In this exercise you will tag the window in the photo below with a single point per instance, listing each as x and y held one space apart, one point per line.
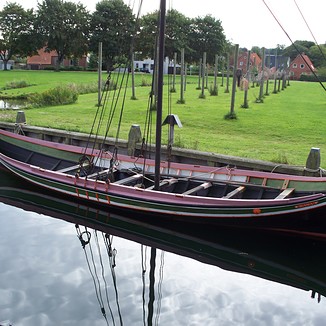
241 63
302 66
295 65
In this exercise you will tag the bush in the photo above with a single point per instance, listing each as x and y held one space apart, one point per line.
16 84
312 78
85 88
145 82
57 96
62 68
49 68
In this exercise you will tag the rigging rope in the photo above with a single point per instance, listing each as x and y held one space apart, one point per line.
151 107
303 58
117 84
322 53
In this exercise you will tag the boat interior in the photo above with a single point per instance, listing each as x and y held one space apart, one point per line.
195 186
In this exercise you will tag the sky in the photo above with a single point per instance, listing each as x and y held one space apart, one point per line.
247 23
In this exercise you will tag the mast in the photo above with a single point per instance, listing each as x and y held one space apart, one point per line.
159 94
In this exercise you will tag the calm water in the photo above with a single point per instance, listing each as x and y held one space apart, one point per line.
12 104
47 278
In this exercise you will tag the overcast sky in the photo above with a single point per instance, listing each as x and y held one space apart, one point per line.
248 23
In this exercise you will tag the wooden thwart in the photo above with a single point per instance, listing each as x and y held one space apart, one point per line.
285 193
204 185
98 174
129 179
70 168
234 192
164 182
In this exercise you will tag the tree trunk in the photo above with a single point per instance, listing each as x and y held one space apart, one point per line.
5 64
59 61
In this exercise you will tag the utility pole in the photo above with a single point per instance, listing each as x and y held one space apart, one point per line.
99 91
181 101
234 81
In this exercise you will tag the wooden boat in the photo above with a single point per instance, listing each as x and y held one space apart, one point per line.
295 261
186 192
165 189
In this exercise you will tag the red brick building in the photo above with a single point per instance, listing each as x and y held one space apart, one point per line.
254 61
49 59
301 65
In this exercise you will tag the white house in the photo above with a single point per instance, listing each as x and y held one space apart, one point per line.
10 65
147 65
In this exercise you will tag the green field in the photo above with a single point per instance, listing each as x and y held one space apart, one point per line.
282 129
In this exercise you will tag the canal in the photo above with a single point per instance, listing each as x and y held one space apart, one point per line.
64 263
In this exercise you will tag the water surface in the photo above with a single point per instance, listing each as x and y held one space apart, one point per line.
48 278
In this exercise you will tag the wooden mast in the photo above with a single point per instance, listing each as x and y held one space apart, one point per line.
159 94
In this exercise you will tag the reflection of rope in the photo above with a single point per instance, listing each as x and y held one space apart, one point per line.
103 276
313 294
111 255
84 243
98 290
159 289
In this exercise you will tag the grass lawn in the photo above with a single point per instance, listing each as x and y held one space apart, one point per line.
282 129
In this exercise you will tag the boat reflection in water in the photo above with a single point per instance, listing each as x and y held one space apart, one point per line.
291 260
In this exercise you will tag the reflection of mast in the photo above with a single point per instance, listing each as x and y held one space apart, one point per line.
143 260
151 287
152 297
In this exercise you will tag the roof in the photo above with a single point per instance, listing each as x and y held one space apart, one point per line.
303 58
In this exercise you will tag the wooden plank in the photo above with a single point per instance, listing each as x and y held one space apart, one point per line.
285 193
164 182
204 185
234 192
96 174
129 179
69 168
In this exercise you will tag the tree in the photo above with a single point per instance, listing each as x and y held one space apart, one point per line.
113 24
317 54
17 33
146 36
298 47
64 27
206 35
257 50
176 33
177 30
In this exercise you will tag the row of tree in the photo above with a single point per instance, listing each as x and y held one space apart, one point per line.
317 53
71 30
